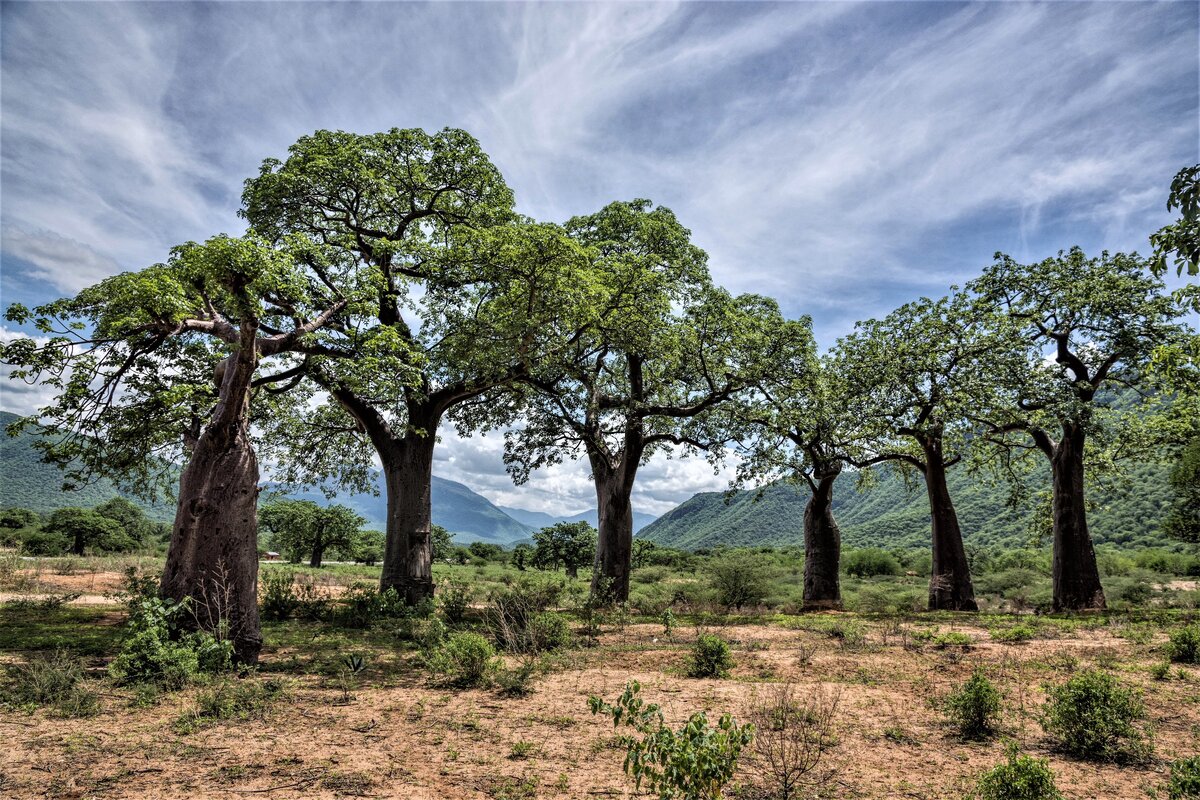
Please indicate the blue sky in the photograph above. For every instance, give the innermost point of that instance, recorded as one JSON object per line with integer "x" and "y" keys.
{"x": 842, "y": 157}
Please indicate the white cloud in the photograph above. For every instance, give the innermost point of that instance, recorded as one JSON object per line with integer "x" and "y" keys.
{"x": 65, "y": 264}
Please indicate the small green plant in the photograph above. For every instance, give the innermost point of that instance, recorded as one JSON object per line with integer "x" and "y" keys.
{"x": 975, "y": 707}
{"x": 346, "y": 678}
{"x": 1021, "y": 777}
{"x": 521, "y": 749}
{"x": 694, "y": 763}
{"x": 55, "y": 680}
{"x": 1161, "y": 671}
{"x": 1093, "y": 716}
{"x": 710, "y": 657}
{"x": 465, "y": 660}
{"x": 1184, "y": 783}
{"x": 668, "y": 623}
{"x": 1185, "y": 645}
{"x": 518, "y": 681}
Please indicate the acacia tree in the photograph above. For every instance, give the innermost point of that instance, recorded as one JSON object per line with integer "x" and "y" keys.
{"x": 463, "y": 291}
{"x": 1081, "y": 327}
{"x": 129, "y": 357}
{"x": 792, "y": 427}
{"x": 301, "y": 527}
{"x": 666, "y": 350}
{"x": 911, "y": 381}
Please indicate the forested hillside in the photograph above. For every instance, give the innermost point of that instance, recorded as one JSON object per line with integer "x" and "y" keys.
{"x": 890, "y": 514}
{"x": 27, "y": 482}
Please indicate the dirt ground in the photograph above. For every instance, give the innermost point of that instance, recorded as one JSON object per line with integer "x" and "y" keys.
{"x": 401, "y": 737}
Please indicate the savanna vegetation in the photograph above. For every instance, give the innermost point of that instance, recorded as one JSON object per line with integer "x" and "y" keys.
{"x": 386, "y": 286}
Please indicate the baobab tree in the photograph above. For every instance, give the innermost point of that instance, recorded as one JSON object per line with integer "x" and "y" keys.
{"x": 1081, "y": 327}
{"x": 160, "y": 366}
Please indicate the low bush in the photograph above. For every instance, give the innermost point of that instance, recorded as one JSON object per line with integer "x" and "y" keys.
{"x": 791, "y": 735}
{"x": 870, "y": 562}
{"x": 1021, "y": 777}
{"x": 464, "y": 660}
{"x": 1093, "y": 716}
{"x": 1185, "y": 645}
{"x": 710, "y": 657}
{"x": 150, "y": 654}
{"x": 454, "y": 599}
{"x": 1013, "y": 635}
{"x": 694, "y": 763}
{"x": 278, "y": 593}
{"x": 975, "y": 707}
{"x": 739, "y": 579}
{"x": 55, "y": 680}
{"x": 233, "y": 700}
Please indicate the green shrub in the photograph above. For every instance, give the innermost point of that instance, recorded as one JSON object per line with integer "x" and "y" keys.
{"x": 1021, "y": 778}
{"x": 518, "y": 618}
{"x": 279, "y": 593}
{"x": 693, "y": 763}
{"x": 55, "y": 680}
{"x": 455, "y": 599}
{"x": 1185, "y": 645}
{"x": 739, "y": 579}
{"x": 870, "y": 562}
{"x": 149, "y": 654}
{"x": 710, "y": 657}
{"x": 1161, "y": 671}
{"x": 364, "y": 606}
{"x": 1185, "y": 779}
{"x": 1093, "y": 716}
{"x": 975, "y": 707}
{"x": 464, "y": 660}
{"x": 1017, "y": 633}
{"x": 44, "y": 543}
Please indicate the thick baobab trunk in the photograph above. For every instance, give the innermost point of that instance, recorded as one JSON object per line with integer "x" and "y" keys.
{"x": 213, "y": 557}
{"x": 1076, "y": 576}
{"x": 318, "y": 554}
{"x": 408, "y": 553}
{"x": 822, "y": 548}
{"x": 950, "y": 587}
{"x": 614, "y": 546}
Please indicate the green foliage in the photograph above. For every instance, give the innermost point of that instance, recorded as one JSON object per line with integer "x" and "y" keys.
{"x": 1093, "y": 716}
{"x": 1185, "y": 645}
{"x": 441, "y": 541}
{"x": 739, "y": 579}
{"x": 455, "y": 599}
{"x": 519, "y": 619}
{"x": 694, "y": 763}
{"x": 465, "y": 660}
{"x": 1183, "y": 519}
{"x": 1181, "y": 238}
{"x": 54, "y": 679}
{"x": 304, "y": 530}
{"x": 86, "y": 528}
{"x": 975, "y": 707}
{"x": 278, "y": 593}
{"x": 710, "y": 657}
{"x": 1184, "y": 783}
{"x": 16, "y": 518}
{"x": 569, "y": 545}
{"x": 363, "y": 606}
{"x": 157, "y": 651}
{"x": 1020, "y": 778}
{"x": 870, "y": 562}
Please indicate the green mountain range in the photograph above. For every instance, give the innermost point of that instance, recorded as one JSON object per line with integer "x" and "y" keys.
{"x": 890, "y": 513}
